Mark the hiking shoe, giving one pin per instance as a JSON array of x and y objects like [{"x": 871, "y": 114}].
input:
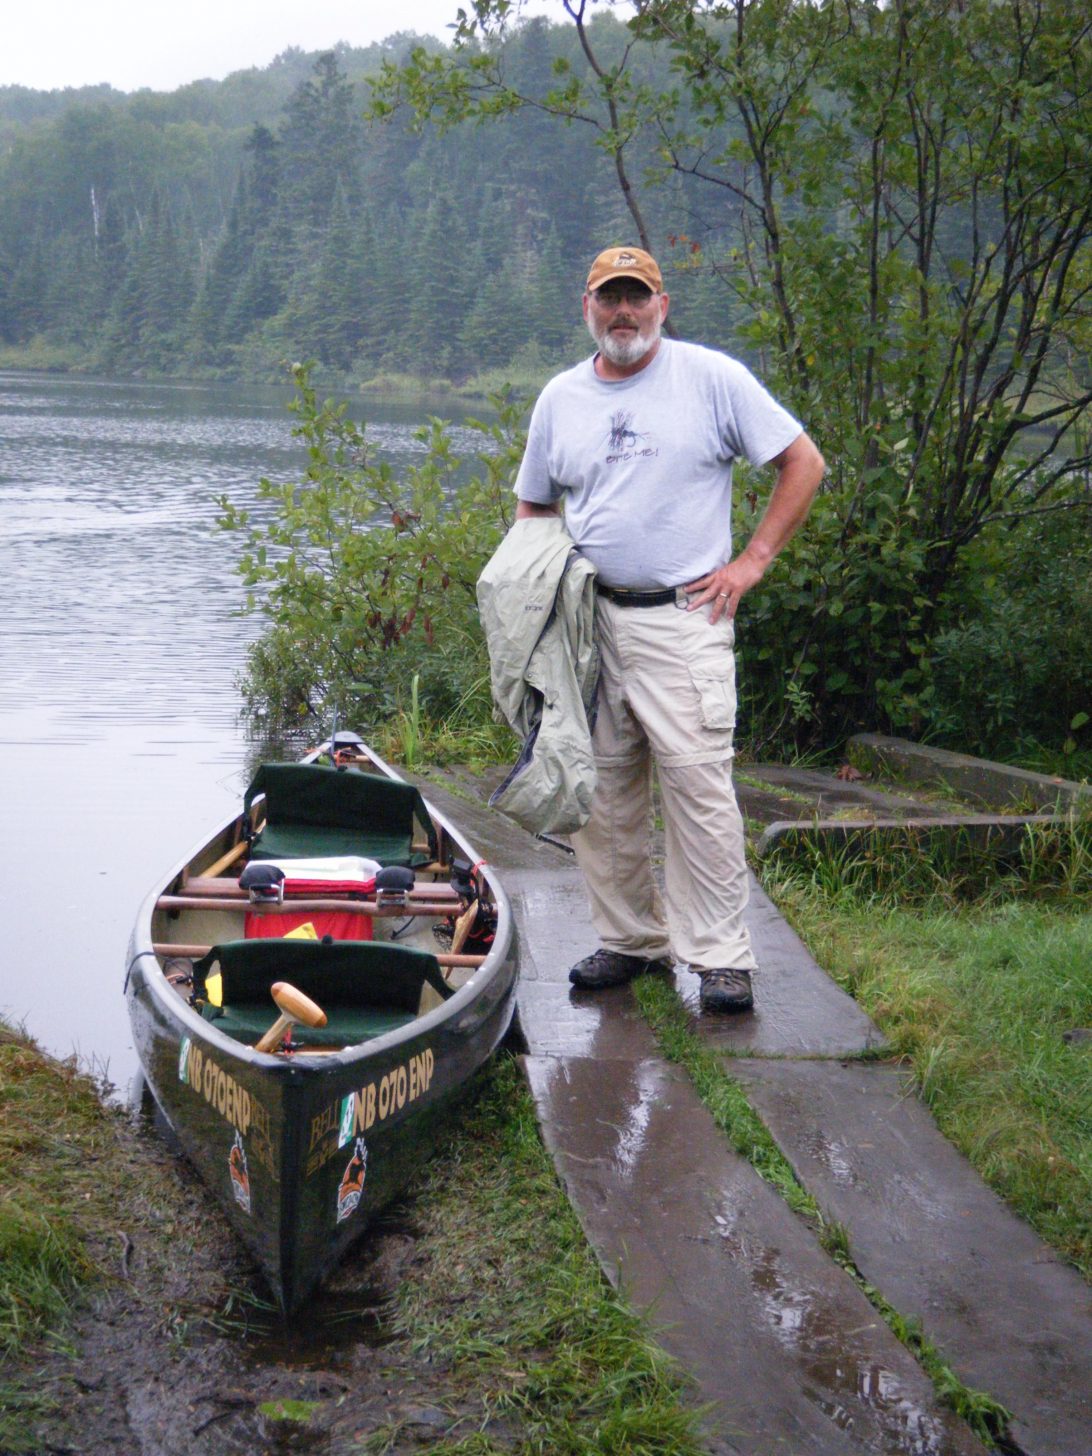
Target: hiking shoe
[
  {"x": 612, "y": 968},
  {"x": 727, "y": 990}
]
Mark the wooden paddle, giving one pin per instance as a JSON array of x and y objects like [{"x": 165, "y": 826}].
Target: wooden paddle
[
  {"x": 295, "y": 1009},
  {"x": 235, "y": 853},
  {"x": 462, "y": 927}
]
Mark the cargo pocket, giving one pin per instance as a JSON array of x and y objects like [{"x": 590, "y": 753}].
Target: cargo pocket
[{"x": 716, "y": 697}]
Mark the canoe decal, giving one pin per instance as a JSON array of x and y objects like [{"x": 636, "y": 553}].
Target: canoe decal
[
  {"x": 220, "y": 1090},
  {"x": 197, "y": 1070},
  {"x": 376, "y": 1101},
  {"x": 351, "y": 1188},
  {"x": 337, "y": 1125},
  {"x": 240, "y": 1173}
]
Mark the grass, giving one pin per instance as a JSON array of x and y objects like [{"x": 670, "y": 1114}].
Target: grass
[
  {"x": 412, "y": 742},
  {"x": 722, "y": 1094},
  {"x": 936, "y": 866},
  {"x": 1070, "y": 762},
  {"x": 977, "y": 999},
  {"x": 409, "y": 727},
  {"x": 505, "y": 1290},
  {"x": 51, "y": 1123},
  {"x": 467, "y": 735},
  {"x": 975, "y": 970},
  {"x": 41, "y": 354}
]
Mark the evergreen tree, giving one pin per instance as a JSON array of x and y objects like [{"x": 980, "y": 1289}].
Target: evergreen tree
[
  {"x": 468, "y": 251},
  {"x": 441, "y": 286},
  {"x": 147, "y": 324},
  {"x": 332, "y": 311},
  {"x": 111, "y": 259},
  {"x": 320, "y": 142},
  {"x": 7, "y": 320},
  {"x": 387, "y": 289},
  {"x": 26, "y": 292},
  {"x": 263, "y": 153},
  {"x": 69, "y": 303},
  {"x": 243, "y": 283},
  {"x": 259, "y": 296},
  {"x": 558, "y": 285}
]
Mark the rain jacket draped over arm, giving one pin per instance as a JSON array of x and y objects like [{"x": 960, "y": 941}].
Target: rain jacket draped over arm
[{"x": 536, "y": 598}]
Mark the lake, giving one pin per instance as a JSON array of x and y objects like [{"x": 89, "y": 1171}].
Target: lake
[{"x": 121, "y": 642}]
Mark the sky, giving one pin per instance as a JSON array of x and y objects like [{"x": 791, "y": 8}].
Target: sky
[{"x": 162, "y": 44}]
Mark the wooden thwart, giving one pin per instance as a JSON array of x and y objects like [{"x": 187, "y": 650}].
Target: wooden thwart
[
  {"x": 370, "y": 908},
  {"x": 462, "y": 927},
  {"x": 229, "y": 889},
  {"x": 233, "y": 855},
  {"x": 195, "y": 952}
]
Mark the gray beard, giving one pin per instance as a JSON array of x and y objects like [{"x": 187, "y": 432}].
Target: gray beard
[{"x": 621, "y": 351}]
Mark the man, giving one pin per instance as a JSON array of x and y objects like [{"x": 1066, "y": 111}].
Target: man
[{"x": 638, "y": 443}]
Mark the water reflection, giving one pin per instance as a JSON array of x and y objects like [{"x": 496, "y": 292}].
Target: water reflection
[
  {"x": 842, "y": 1373},
  {"x": 119, "y": 654}
]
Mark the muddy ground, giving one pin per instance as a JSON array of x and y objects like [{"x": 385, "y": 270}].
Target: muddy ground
[{"x": 176, "y": 1352}]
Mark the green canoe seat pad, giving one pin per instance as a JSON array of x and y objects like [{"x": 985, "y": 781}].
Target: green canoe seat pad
[
  {"x": 312, "y": 811},
  {"x": 365, "y": 987}
]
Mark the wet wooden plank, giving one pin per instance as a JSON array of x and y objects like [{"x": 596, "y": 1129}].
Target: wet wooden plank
[{"x": 923, "y": 1227}]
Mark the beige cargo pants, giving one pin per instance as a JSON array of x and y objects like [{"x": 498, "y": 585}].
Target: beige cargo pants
[{"x": 666, "y": 693}]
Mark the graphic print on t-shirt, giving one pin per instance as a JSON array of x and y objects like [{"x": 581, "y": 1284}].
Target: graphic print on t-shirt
[{"x": 625, "y": 442}]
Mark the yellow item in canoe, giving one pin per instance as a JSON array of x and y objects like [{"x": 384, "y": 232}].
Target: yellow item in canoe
[{"x": 214, "y": 984}]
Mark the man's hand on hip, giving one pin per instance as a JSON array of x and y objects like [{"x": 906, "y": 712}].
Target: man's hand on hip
[{"x": 726, "y": 586}]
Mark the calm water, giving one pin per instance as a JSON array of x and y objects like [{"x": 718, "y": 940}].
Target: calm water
[{"x": 120, "y": 643}]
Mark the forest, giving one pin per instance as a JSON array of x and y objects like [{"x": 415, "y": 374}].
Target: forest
[{"x": 231, "y": 226}]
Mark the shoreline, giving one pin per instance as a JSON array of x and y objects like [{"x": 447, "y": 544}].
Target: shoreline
[{"x": 387, "y": 388}]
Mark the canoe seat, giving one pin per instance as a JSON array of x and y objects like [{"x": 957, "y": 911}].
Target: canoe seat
[
  {"x": 315, "y": 811},
  {"x": 366, "y": 988}
]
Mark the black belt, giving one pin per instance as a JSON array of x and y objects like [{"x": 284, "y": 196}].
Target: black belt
[{"x": 624, "y": 598}]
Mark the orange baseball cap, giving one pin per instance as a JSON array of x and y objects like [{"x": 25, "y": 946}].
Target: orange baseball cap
[{"x": 625, "y": 263}]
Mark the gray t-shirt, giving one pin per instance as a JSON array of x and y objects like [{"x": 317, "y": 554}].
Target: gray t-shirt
[{"x": 644, "y": 464}]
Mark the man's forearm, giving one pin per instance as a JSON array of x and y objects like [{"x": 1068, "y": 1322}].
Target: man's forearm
[{"x": 800, "y": 470}]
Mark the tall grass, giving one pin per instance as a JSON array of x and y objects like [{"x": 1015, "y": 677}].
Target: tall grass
[
  {"x": 939, "y": 865},
  {"x": 42, "y": 1263},
  {"x": 409, "y": 727},
  {"x": 50, "y": 1120},
  {"x": 466, "y": 733},
  {"x": 978, "y": 999},
  {"x": 49, "y": 1117}
]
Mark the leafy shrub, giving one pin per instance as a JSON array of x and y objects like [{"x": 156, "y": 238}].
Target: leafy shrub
[
  {"x": 367, "y": 579},
  {"x": 1013, "y": 666}
]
